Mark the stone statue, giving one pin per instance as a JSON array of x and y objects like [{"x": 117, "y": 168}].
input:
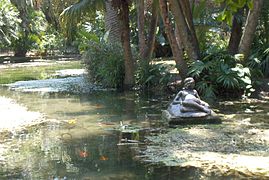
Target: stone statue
[{"x": 187, "y": 102}]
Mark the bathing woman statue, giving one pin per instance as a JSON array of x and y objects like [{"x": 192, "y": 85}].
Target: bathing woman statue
[{"x": 187, "y": 102}]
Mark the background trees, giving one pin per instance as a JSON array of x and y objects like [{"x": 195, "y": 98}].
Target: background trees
[
  {"x": 195, "y": 30},
  {"x": 9, "y": 22}
]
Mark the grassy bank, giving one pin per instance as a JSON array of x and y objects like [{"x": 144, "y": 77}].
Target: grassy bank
[{"x": 37, "y": 72}]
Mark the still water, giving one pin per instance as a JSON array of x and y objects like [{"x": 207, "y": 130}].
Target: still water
[
  {"x": 83, "y": 139},
  {"x": 86, "y": 144}
]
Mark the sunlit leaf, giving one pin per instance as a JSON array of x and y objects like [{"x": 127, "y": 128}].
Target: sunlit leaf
[
  {"x": 72, "y": 121},
  {"x": 83, "y": 154},
  {"x": 250, "y": 4},
  {"x": 103, "y": 158}
]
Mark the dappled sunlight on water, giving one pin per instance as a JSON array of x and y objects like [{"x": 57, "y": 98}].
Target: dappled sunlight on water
[
  {"x": 97, "y": 135},
  {"x": 80, "y": 140}
]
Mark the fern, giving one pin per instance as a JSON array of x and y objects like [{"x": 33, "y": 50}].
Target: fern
[{"x": 220, "y": 73}]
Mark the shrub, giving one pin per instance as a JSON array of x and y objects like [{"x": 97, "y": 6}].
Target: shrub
[
  {"x": 152, "y": 75},
  {"x": 259, "y": 59},
  {"x": 221, "y": 74},
  {"x": 105, "y": 64}
]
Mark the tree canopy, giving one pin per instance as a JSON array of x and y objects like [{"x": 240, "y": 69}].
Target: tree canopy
[{"x": 204, "y": 38}]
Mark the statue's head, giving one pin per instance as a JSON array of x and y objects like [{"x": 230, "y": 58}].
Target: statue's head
[{"x": 189, "y": 83}]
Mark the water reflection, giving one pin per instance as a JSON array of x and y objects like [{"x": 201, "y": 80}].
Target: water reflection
[{"x": 84, "y": 144}]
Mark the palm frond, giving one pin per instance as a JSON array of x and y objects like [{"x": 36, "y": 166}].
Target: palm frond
[
  {"x": 73, "y": 14},
  {"x": 228, "y": 80},
  {"x": 206, "y": 89},
  {"x": 197, "y": 67}
]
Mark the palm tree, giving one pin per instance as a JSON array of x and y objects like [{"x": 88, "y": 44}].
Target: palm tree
[
  {"x": 112, "y": 23},
  {"x": 117, "y": 25},
  {"x": 52, "y": 9}
]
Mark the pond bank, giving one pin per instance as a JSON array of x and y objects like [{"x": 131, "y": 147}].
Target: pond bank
[{"x": 236, "y": 148}]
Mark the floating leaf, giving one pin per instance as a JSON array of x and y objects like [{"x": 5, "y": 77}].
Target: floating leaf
[
  {"x": 83, "y": 154},
  {"x": 72, "y": 121},
  {"x": 103, "y": 158}
]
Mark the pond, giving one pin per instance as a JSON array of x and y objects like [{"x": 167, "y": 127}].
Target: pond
[
  {"x": 86, "y": 147},
  {"x": 88, "y": 143}
]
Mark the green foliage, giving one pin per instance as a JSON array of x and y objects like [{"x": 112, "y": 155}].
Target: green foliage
[
  {"x": 25, "y": 42},
  {"x": 9, "y": 23},
  {"x": 105, "y": 64},
  {"x": 221, "y": 74},
  {"x": 231, "y": 7},
  {"x": 51, "y": 41},
  {"x": 210, "y": 36},
  {"x": 92, "y": 30},
  {"x": 71, "y": 16},
  {"x": 31, "y": 28},
  {"x": 152, "y": 75},
  {"x": 259, "y": 58},
  {"x": 213, "y": 40}
]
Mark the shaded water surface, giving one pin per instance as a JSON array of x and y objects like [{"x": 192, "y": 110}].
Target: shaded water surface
[{"x": 84, "y": 145}]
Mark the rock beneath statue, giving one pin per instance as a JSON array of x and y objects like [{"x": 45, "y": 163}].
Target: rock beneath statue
[
  {"x": 176, "y": 111},
  {"x": 187, "y": 107},
  {"x": 177, "y": 120},
  {"x": 195, "y": 118}
]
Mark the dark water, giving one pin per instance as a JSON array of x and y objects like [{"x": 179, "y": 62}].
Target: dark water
[{"x": 85, "y": 145}]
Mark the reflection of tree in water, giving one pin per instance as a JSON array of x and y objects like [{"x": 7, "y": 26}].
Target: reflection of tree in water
[{"x": 38, "y": 156}]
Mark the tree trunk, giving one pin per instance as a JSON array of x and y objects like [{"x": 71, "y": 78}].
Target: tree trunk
[
  {"x": 250, "y": 28},
  {"x": 128, "y": 63},
  {"x": 21, "y": 46},
  {"x": 186, "y": 7},
  {"x": 141, "y": 28},
  {"x": 152, "y": 31},
  {"x": 183, "y": 28},
  {"x": 177, "y": 53},
  {"x": 178, "y": 39},
  {"x": 50, "y": 16},
  {"x": 236, "y": 33},
  {"x": 19, "y": 52},
  {"x": 112, "y": 24}
]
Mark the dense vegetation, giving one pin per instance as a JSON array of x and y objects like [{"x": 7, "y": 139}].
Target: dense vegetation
[{"x": 223, "y": 44}]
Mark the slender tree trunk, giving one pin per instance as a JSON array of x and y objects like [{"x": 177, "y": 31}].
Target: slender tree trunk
[
  {"x": 250, "y": 28},
  {"x": 112, "y": 24},
  {"x": 21, "y": 47},
  {"x": 128, "y": 63},
  {"x": 178, "y": 55},
  {"x": 47, "y": 9},
  {"x": 187, "y": 11},
  {"x": 184, "y": 30},
  {"x": 178, "y": 39},
  {"x": 152, "y": 31},
  {"x": 141, "y": 27},
  {"x": 236, "y": 34}
]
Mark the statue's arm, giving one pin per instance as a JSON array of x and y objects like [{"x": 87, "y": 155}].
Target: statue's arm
[
  {"x": 201, "y": 101},
  {"x": 196, "y": 94},
  {"x": 178, "y": 98}
]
